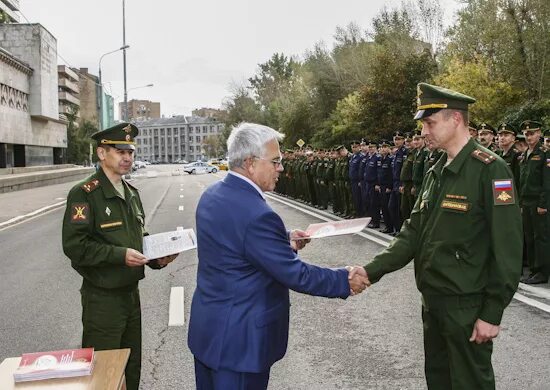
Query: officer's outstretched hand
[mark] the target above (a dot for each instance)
(484, 331)
(358, 279)
(134, 258)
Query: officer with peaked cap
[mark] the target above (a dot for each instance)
(506, 140)
(533, 195)
(466, 263)
(487, 136)
(103, 231)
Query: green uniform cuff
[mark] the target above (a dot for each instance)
(491, 312)
(119, 255)
(374, 271)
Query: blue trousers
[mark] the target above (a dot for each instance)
(209, 379)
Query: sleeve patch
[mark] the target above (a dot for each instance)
(80, 213)
(503, 192)
(482, 156)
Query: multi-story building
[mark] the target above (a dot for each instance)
(8, 9)
(69, 91)
(140, 110)
(177, 138)
(30, 130)
(89, 101)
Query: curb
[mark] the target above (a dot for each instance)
(21, 218)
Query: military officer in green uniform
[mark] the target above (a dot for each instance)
(465, 237)
(406, 178)
(506, 140)
(487, 136)
(418, 162)
(533, 197)
(103, 231)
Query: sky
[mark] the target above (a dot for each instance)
(193, 52)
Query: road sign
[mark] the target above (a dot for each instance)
(300, 142)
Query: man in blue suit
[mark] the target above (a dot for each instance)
(247, 263)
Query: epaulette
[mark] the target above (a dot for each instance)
(90, 186)
(482, 156)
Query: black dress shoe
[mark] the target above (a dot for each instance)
(373, 225)
(525, 278)
(387, 231)
(537, 278)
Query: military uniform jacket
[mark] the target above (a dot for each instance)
(418, 167)
(532, 190)
(397, 164)
(465, 233)
(98, 227)
(354, 165)
(384, 172)
(407, 169)
(512, 160)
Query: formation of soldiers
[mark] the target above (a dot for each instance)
(382, 180)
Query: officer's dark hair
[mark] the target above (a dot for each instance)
(465, 115)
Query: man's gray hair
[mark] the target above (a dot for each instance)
(249, 140)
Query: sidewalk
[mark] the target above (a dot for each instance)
(18, 203)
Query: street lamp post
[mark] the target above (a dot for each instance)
(124, 59)
(101, 85)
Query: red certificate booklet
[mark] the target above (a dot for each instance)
(55, 364)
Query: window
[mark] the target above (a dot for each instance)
(191, 148)
(190, 138)
(198, 138)
(205, 129)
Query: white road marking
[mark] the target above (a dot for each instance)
(180, 208)
(176, 313)
(35, 213)
(539, 292)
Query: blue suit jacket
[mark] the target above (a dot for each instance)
(240, 309)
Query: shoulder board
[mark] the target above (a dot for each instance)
(482, 156)
(90, 186)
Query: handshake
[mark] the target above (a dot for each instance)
(358, 279)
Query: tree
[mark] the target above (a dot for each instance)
(213, 146)
(78, 137)
(494, 96)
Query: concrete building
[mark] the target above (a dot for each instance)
(69, 91)
(30, 130)
(8, 9)
(177, 138)
(88, 85)
(140, 110)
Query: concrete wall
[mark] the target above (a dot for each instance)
(88, 97)
(33, 44)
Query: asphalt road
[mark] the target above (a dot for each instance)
(372, 341)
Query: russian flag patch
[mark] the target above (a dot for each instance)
(503, 192)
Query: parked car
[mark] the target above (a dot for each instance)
(181, 162)
(140, 164)
(221, 164)
(199, 167)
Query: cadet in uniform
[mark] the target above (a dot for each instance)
(397, 164)
(406, 178)
(465, 236)
(384, 185)
(371, 177)
(418, 163)
(506, 140)
(533, 203)
(355, 179)
(487, 136)
(103, 231)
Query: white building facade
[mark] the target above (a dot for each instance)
(177, 138)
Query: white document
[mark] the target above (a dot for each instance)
(336, 228)
(168, 243)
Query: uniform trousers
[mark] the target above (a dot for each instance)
(356, 196)
(452, 362)
(208, 379)
(393, 207)
(537, 239)
(112, 320)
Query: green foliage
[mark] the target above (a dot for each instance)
(537, 110)
(213, 146)
(473, 78)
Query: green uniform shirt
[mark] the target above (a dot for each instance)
(532, 179)
(98, 227)
(464, 235)
(407, 168)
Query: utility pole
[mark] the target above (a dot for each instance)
(125, 116)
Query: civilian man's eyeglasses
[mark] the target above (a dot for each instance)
(277, 162)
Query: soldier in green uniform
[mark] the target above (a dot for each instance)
(418, 163)
(465, 236)
(321, 179)
(330, 179)
(487, 136)
(103, 231)
(506, 141)
(533, 197)
(431, 158)
(472, 128)
(406, 178)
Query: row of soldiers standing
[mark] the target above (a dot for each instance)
(382, 180)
